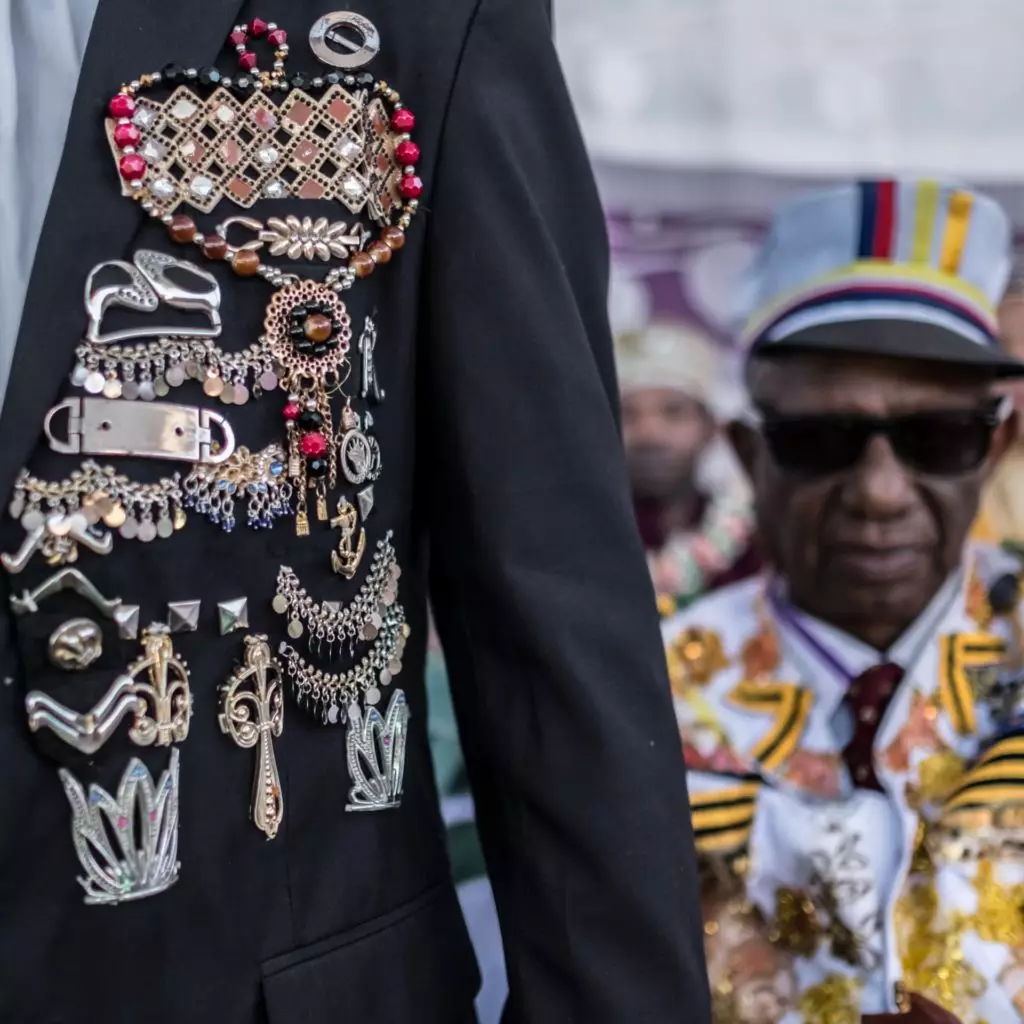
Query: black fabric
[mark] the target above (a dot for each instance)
(502, 469)
(904, 339)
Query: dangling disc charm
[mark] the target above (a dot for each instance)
(344, 39)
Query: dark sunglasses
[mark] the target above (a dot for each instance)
(939, 442)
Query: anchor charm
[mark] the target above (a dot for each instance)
(345, 561)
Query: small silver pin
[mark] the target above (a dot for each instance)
(127, 619)
(66, 579)
(57, 537)
(233, 615)
(367, 348)
(340, 50)
(183, 616)
(365, 499)
(89, 731)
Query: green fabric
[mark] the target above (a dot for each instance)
(445, 750)
(464, 849)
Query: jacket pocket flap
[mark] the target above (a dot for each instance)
(413, 965)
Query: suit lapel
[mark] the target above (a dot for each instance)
(88, 220)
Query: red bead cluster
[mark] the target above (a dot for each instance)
(132, 166)
(241, 35)
(407, 153)
(312, 440)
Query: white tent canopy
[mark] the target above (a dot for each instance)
(804, 87)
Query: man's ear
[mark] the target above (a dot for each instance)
(746, 443)
(1002, 437)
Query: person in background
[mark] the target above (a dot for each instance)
(692, 501)
(851, 719)
(1001, 520)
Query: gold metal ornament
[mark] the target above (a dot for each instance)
(165, 719)
(252, 712)
(695, 657)
(74, 645)
(345, 561)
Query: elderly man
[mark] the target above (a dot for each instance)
(692, 501)
(856, 779)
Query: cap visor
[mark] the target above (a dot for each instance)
(900, 339)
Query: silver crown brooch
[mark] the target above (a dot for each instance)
(128, 845)
(376, 755)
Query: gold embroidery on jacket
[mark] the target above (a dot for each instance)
(834, 1001)
(790, 706)
(722, 820)
(960, 655)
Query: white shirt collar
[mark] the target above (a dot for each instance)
(821, 648)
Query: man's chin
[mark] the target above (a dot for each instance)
(883, 590)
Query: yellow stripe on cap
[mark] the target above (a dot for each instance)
(866, 272)
(925, 212)
(958, 220)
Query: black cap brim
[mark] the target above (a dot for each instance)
(900, 339)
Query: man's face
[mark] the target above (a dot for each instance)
(867, 546)
(665, 431)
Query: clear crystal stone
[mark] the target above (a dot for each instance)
(349, 149)
(162, 188)
(225, 114)
(201, 186)
(183, 109)
(275, 189)
(144, 118)
(266, 155)
(352, 187)
(153, 150)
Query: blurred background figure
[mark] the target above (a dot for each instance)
(692, 501)
(1001, 520)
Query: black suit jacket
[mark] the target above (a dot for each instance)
(503, 474)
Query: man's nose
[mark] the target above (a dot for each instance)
(880, 486)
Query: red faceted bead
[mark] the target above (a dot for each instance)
(291, 411)
(257, 26)
(411, 186)
(407, 153)
(403, 120)
(247, 60)
(132, 166)
(238, 36)
(313, 445)
(121, 105)
(278, 37)
(127, 135)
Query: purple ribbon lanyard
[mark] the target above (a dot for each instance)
(784, 610)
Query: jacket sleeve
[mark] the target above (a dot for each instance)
(539, 585)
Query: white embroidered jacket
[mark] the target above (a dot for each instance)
(824, 901)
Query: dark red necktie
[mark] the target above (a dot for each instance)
(867, 698)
